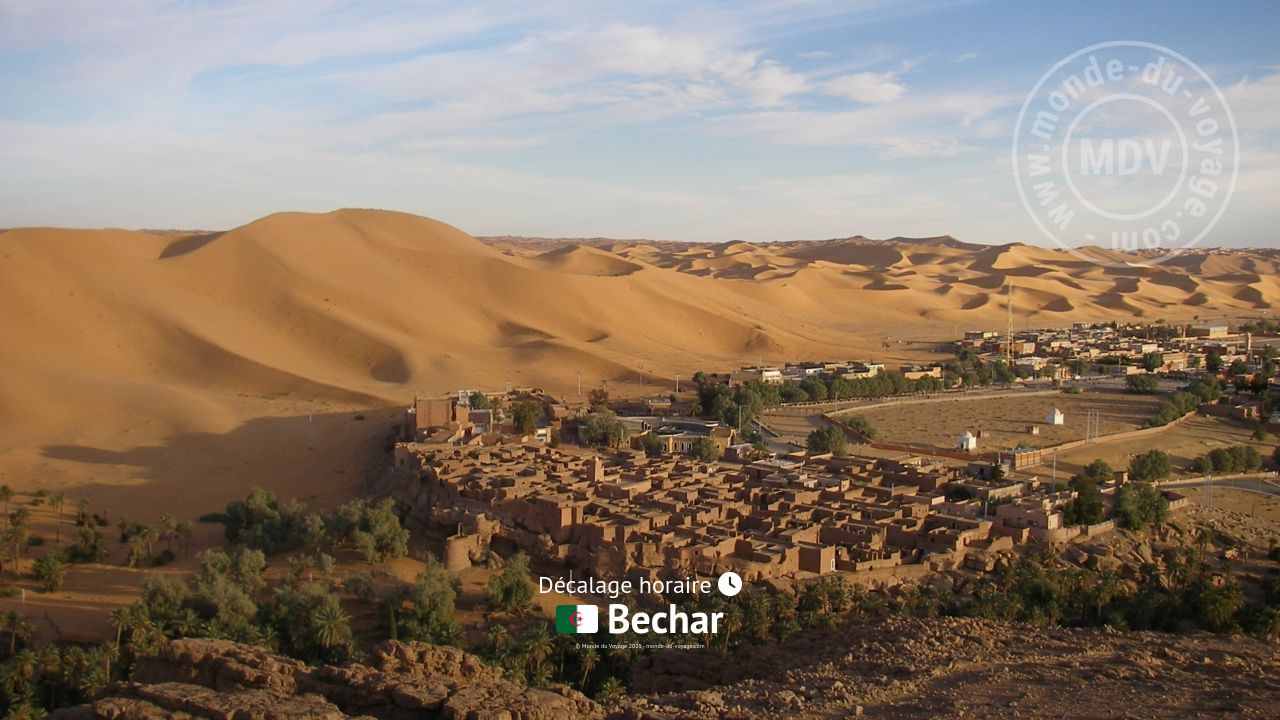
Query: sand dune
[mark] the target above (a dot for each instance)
(137, 364)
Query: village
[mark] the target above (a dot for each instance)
(671, 494)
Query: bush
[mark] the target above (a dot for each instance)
(862, 425)
(214, 518)
(1142, 384)
(361, 585)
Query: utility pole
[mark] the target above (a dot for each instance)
(579, 383)
(311, 432)
(677, 383)
(1008, 336)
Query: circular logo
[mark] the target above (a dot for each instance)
(729, 584)
(1125, 146)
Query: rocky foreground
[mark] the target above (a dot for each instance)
(896, 668)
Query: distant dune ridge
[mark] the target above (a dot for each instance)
(112, 332)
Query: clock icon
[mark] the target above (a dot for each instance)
(729, 584)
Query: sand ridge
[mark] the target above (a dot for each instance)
(184, 349)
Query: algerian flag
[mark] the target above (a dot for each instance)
(577, 619)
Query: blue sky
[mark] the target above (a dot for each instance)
(667, 120)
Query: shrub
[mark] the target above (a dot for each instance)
(361, 585)
(862, 425)
(1142, 384)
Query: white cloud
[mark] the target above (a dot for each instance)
(867, 87)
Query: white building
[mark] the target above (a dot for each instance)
(968, 442)
(1056, 417)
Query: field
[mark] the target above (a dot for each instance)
(1184, 442)
(1003, 421)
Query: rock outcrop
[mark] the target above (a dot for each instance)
(222, 680)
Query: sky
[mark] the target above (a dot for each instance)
(706, 121)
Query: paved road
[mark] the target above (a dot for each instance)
(1264, 483)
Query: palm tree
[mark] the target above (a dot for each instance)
(186, 623)
(90, 683)
(55, 501)
(498, 638)
(6, 494)
(168, 530)
(82, 513)
(332, 625)
(587, 658)
(137, 550)
(732, 623)
(17, 627)
(149, 535)
(538, 645)
(183, 533)
(19, 525)
(611, 687)
(122, 618)
(52, 673)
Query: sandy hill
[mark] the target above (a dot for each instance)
(176, 369)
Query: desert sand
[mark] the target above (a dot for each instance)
(170, 372)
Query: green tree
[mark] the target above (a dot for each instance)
(1138, 505)
(1142, 384)
(598, 399)
(705, 450)
(1152, 361)
(512, 589)
(50, 570)
(604, 428)
(430, 603)
(651, 444)
(478, 401)
(1150, 466)
(525, 415)
(827, 438)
